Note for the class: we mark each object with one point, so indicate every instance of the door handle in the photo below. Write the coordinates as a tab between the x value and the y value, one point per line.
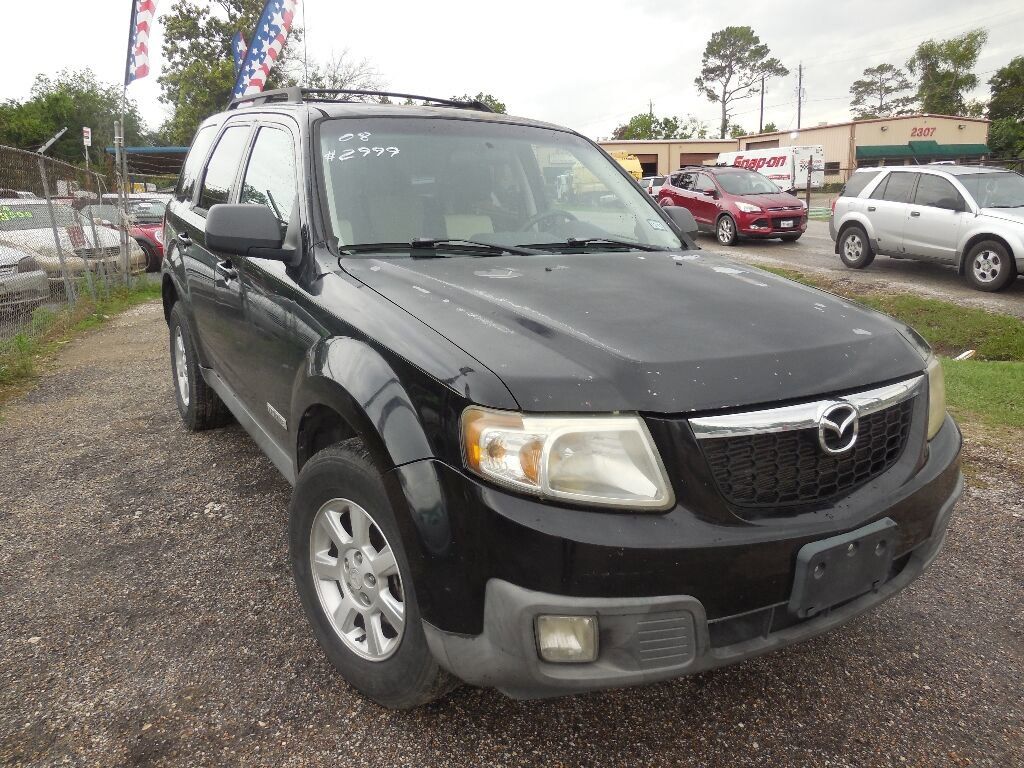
227	269
915	213
184	239
871	208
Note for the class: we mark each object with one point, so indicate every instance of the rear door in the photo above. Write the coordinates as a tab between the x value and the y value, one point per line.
934	220
888	208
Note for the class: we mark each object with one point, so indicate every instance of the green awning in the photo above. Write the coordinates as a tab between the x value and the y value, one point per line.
921	150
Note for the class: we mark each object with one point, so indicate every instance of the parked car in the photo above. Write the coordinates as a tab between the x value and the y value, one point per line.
23	285
734	203
26	224
146	222
537	447
652	184
17	194
969	217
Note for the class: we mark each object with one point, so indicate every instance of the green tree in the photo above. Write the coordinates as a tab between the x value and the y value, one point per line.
733	64
342	71
197	73
735	131
944	71
646	126
770	127
882	91
486	98
71	99
1006	137
1007	86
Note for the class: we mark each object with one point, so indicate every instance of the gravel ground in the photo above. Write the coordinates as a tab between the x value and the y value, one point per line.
148	617
813	254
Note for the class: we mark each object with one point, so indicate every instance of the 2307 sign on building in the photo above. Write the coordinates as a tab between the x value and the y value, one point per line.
922	132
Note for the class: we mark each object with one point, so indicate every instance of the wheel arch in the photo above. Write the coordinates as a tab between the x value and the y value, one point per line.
855	222
973	240
169	295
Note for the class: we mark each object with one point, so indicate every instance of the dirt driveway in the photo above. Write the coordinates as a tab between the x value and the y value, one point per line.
147	616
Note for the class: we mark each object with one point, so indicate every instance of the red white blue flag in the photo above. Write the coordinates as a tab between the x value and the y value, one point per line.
238	50
268	41
137	63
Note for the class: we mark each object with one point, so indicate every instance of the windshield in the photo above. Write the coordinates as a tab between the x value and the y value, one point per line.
392	180
746	183
15	217
995	190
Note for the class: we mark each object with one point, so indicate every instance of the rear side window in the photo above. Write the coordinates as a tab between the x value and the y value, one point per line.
857	182
220	172
194	163
936	192
658	180
897	188
270	176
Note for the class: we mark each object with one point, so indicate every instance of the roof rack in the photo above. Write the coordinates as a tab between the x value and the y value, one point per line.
297	95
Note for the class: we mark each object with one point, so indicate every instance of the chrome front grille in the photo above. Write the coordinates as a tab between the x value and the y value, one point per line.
775	457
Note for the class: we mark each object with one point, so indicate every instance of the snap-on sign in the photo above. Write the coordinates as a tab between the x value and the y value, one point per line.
757	163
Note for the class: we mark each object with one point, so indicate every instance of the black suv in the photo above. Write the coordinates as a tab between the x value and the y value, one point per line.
539	441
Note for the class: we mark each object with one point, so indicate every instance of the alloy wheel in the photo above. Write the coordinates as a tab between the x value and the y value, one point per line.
181	366
853	246
357	579
725	230
987	265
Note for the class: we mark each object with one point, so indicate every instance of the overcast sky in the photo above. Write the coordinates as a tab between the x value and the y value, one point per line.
586	64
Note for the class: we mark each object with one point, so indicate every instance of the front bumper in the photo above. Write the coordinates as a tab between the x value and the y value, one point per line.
769	223
643	640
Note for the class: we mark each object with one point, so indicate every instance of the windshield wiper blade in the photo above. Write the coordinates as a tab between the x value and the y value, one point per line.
582	242
431	243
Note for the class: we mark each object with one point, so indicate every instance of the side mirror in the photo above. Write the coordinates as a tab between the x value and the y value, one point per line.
682	218
246	230
709	192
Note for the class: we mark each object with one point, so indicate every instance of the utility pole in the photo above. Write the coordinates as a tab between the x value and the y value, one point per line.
760	121
799	93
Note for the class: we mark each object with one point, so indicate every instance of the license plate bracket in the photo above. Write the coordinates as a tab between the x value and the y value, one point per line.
840	568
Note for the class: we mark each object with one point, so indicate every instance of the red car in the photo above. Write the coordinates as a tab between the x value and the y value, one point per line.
734	202
147	226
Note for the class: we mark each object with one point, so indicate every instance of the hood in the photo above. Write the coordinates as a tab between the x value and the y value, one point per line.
655	332
780	200
1015	215
11	257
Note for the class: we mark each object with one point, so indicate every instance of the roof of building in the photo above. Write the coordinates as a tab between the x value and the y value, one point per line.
915	116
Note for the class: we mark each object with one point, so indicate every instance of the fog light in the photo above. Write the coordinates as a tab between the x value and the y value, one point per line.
567	638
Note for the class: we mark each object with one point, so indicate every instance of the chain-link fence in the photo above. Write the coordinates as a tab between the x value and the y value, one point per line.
68	238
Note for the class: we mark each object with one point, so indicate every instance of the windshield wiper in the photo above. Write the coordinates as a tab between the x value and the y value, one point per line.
1019	205
582	242
427	248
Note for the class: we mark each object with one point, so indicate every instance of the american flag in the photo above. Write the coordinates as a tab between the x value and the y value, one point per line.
238	51
137	64
267	42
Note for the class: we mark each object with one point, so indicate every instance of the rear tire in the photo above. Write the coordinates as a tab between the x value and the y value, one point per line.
152	260
364	615
199	406
989	266
725	231
854	248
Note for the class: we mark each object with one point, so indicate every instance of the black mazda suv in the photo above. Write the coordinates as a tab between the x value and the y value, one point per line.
539	441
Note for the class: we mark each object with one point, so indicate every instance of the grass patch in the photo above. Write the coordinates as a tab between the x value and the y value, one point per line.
21	355
949	328
990	392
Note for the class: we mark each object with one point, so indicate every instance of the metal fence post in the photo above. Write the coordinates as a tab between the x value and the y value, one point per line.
69	289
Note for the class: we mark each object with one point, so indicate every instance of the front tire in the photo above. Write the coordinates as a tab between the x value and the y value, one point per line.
989	266
199	406
353	579
854	248
725	231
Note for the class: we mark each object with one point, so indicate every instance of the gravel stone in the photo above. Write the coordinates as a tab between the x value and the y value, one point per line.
148	617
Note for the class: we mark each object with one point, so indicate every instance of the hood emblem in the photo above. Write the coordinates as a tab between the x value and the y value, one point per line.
838	426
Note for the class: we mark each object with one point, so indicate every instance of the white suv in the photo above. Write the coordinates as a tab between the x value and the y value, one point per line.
970	217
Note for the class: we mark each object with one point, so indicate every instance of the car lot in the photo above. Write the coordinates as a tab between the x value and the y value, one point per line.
149	617
814	253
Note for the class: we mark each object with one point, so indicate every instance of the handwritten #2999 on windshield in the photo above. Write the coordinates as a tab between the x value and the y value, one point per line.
358	152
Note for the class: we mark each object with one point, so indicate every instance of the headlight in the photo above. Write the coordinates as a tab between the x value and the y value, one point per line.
748	208
28	264
605	460
936	396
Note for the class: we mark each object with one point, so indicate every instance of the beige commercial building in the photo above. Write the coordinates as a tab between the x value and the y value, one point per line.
901	140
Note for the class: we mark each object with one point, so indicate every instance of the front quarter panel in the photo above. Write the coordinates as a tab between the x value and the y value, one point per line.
979	227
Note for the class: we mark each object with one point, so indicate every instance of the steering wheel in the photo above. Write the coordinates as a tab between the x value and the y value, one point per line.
533	221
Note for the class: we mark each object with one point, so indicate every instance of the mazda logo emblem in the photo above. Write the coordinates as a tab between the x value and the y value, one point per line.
837	428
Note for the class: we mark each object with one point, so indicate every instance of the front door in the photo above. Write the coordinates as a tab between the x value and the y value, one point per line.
934	220
705	200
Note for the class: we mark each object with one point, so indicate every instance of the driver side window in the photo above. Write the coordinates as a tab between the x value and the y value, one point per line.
704	184
270	174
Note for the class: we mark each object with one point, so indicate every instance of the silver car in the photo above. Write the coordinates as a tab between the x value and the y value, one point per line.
23	285
970	217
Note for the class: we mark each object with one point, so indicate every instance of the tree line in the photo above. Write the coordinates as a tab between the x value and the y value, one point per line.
937	79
